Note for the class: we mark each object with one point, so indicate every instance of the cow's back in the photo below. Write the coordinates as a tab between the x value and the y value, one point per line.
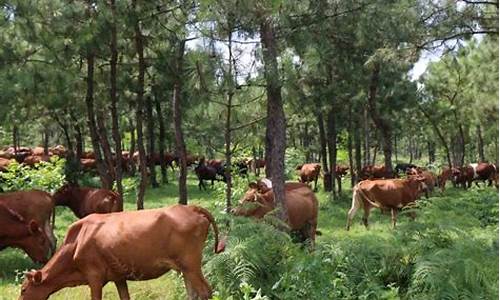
35	204
301	203
126	242
389	193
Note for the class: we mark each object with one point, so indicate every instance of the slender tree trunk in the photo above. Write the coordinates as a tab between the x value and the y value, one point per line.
382	124
177	118
396	147
357	146
151	143
46	141
227	131
161	141
306	142
139	113
105	146
106	180
322	141
276	124
15	140
350	146
439	134
480	143
132	147
366	124
431	151
332	148
114	109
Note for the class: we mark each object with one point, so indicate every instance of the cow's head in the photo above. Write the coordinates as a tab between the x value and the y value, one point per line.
63	194
256	202
417	184
342	171
38	243
33	287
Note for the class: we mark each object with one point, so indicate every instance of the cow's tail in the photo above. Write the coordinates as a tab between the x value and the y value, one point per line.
218	246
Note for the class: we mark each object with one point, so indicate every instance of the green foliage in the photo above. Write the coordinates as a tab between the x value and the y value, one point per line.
45	176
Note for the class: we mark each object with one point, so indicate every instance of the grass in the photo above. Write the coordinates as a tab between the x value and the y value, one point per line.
332	218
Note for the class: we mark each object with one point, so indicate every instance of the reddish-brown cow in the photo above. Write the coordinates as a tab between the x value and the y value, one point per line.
375	172
463	176
84	201
135	245
88	164
340	171
430	178
256	164
385	194
484	172
310	173
4	164
300	201
25	223
32	160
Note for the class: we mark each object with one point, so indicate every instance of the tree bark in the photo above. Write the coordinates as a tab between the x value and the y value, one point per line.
357	146
227	131
480	143
161	140
177	118
105	146
151	143
276	124
366	144
115	127
139	113
322	141
106	180
382	124
350	146
332	148
46	141
132	147
439	134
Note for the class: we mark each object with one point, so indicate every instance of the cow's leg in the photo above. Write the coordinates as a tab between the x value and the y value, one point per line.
339	184
366	208
356	203
394	214
196	285
122	288
95	289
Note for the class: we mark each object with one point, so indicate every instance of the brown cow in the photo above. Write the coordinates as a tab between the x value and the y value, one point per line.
59	150
375	172
88	155
256	164
446	174
32	160
300	202
134	245
385	194
4	164
88	164
84	201
310	173
340	171
430	178
463	176
25	223
484	172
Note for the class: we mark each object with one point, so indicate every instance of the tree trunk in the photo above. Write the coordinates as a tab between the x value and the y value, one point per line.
161	141
396	147
227	131
46	141
382	124
332	148
115	127
177	118
132	147
139	113
357	146
151	143
105	146
322	141
480	143
439	134
366	124
276	124
106	180
349	147
431	151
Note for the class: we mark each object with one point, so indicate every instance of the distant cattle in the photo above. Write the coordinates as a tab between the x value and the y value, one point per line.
59	150
4	164
25	223
340	172
206	172
375	172
39	151
446	174
32	160
134	245
84	201
300	201
484	172
404	167
430	179
88	155
386	194
463	176
88	164
256	164
310	173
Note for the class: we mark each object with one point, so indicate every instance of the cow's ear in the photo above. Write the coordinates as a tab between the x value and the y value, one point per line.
34	276
33	227
253	185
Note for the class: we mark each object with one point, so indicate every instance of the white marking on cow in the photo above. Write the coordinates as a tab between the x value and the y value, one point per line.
267	182
474	167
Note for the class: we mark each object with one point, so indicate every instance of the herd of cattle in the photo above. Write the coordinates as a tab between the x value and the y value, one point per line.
108	244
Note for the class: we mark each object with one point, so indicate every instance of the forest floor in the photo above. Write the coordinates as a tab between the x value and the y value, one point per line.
332	217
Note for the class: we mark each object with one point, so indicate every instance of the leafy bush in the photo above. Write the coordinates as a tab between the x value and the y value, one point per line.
46	176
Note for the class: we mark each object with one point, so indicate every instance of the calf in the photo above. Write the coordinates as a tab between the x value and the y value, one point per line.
84	201
310	173
135	245
25	223
385	194
204	172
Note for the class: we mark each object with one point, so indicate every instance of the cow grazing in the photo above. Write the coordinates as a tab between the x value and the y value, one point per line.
430	179
484	172
59	150
310	173
88	155
84	201
4	164
134	245
256	164
385	194
300	201
32	160
25	223
446	174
